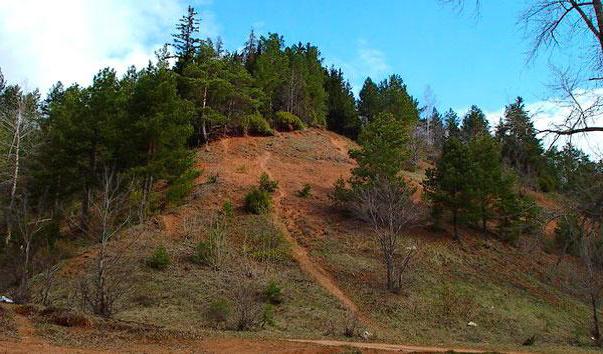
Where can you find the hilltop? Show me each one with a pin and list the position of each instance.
(326, 264)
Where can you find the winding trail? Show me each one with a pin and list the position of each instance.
(300, 254)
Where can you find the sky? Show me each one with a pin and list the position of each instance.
(457, 59)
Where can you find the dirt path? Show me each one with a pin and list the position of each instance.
(300, 254)
(390, 347)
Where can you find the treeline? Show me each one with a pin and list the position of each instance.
(58, 152)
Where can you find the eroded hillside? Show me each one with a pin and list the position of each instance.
(326, 264)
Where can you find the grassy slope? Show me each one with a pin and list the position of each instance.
(511, 295)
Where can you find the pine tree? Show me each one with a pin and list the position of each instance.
(474, 124)
(384, 149)
(447, 185)
(368, 102)
(271, 72)
(451, 124)
(342, 116)
(485, 179)
(250, 52)
(521, 148)
(437, 130)
(395, 99)
(185, 42)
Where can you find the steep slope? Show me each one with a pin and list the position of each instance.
(328, 266)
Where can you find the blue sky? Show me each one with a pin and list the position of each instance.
(464, 60)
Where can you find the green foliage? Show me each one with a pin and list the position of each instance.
(521, 148)
(340, 194)
(475, 124)
(446, 186)
(389, 96)
(181, 187)
(286, 121)
(342, 116)
(266, 184)
(268, 315)
(470, 182)
(258, 201)
(305, 192)
(213, 251)
(257, 125)
(202, 253)
(567, 235)
(228, 209)
(383, 151)
(160, 259)
(273, 293)
(267, 244)
(219, 310)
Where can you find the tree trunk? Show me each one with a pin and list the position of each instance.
(596, 330)
(454, 225)
(16, 170)
(203, 127)
(598, 6)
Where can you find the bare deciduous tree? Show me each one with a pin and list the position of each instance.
(387, 206)
(577, 27)
(18, 124)
(110, 213)
(28, 225)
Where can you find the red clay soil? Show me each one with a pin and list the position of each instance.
(315, 157)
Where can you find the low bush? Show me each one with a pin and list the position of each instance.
(214, 251)
(219, 310)
(228, 209)
(257, 125)
(202, 253)
(268, 315)
(65, 317)
(305, 192)
(273, 293)
(159, 260)
(258, 201)
(286, 121)
(266, 184)
(181, 187)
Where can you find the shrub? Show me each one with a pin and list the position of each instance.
(214, 251)
(273, 293)
(258, 201)
(202, 253)
(268, 315)
(247, 312)
(219, 310)
(350, 326)
(228, 209)
(181, 187)
(256, 124)
(65, 318)
(305, 191)
(159, 260)
(266, 184)
(340, 195)
(213, 178)
(287, 121)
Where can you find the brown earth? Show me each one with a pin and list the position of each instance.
(319, 159)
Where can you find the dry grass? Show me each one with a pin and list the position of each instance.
(7, 324)
(509, 294)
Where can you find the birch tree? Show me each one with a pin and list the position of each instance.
(19, 114)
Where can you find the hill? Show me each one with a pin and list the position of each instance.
(326, 265)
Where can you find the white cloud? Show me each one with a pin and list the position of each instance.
(547, 113)
(369, 61)
(372, 59)
(42, 42)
